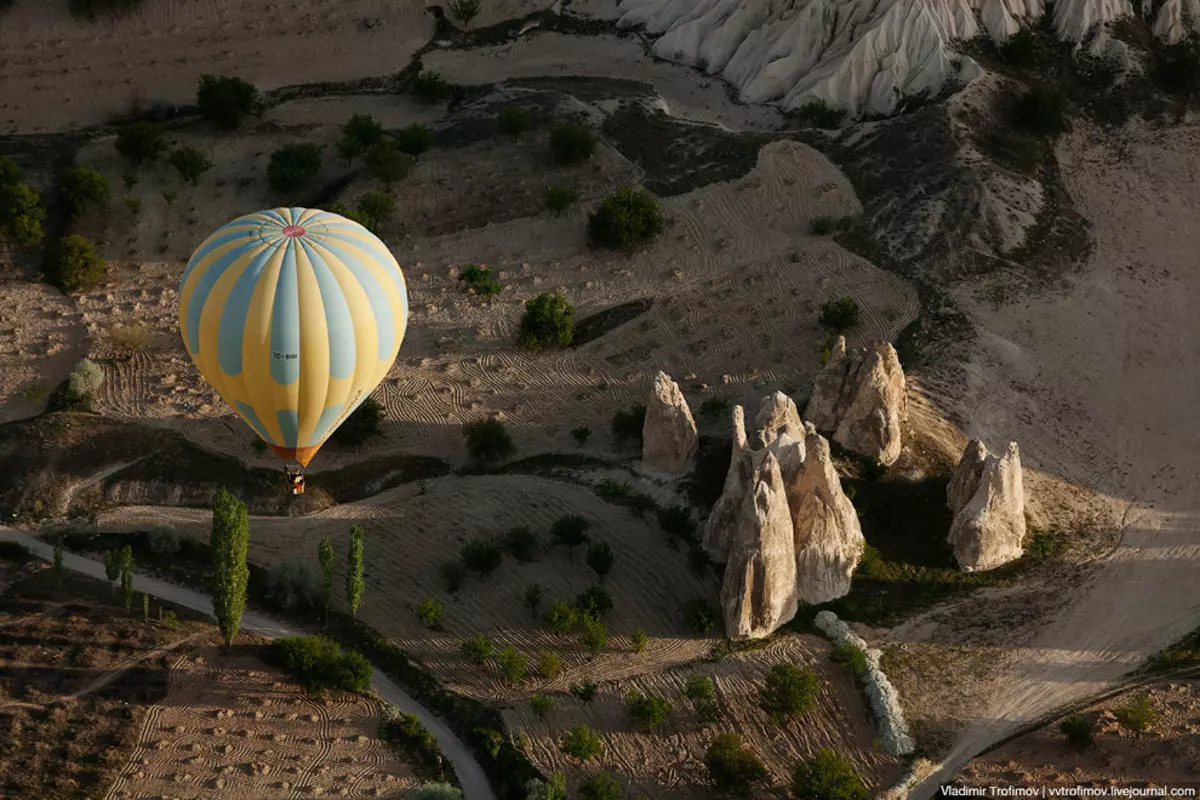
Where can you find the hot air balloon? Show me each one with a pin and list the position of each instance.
(293, 316)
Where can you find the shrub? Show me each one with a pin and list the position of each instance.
(701, 617)
(386, 162)
(76, 267)
(163, 540)
(699, 688)
(522, 543)
(570, 531)
(225, 100)
(820, 114)
(533, 599)
(488, 440)
(21, 211)
(1078, 730)
(731, 765)
(639, 640)
(595, 601)
(430, 87)
(584, 692)
(1020, 50)
(627, 424)
(293, 167)
(357, 216)
(376, 208)
(850, 656)
(437, 791)
(572, 144)
(647, 711)
(582, 743)
(83, 189)
(548, 664)
(555, 789)
(429, 611)
(600, 786)
(1040, 111)
(513, 121)
(595, 634)
(362, 424)
(416, 744)
(464, 10)
(827, 776)
(477, 649)
(559, 199)
(541, 704)
(561, 617)
(363, 129)
(512, 665)
(293, 586)
(549, 321)
(581, 435)
(841, 314)
(479, 281)
(600, 558)
(414, 140)
(788, 691)
(190, 163)
(625, 220)
(141, 142)
(1137, 715)
(677, 522)
(483, 557)
(453, 575)
(318, 664)
(85, 379)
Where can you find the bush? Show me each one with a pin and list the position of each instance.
(1040, 111)
(293, 167)
(429, 611)
(453, 575)
(548, 664)
(512, 665)
(479, 281)
(76, 267)
(481, 556)
(570, 531)
(572, 144)
(827, 776)
(437, 791)
(559, 199)
(513, 121)
(788, 691)
(700, 615)
(1078, 730)
(555, 789)
(376, 208)
(639, 640)
(414, 140)
(488, 440)
(626, 220)
(362, 424)
(850, 656)
(541, 704)
(561, 617)
(224, 100)
(319, 665)
(293, 586)
(600, 786)
(417, 747)
(190, 163)
(163, 540)
(83, 189)
(141, 142)
(85, 379)
(647, 711)
(1020, 50)
(533, 599)
(386, 162)
(477, 649)
(600, 558)
(522, 543)
(430, 87)
(549, 321)
(595, 634)
(595, 601)
(699, 688)
(731, 765)
(582, 743)
(1137, 715)
(363, 129)
(581, 435)
(820, 114)
(21, 211)
(677, 522)
(841, 314)
(584, 692)
(627, 424)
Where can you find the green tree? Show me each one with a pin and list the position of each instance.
(429, 611)
(841, 314)
(647, 711)
(788, 692)
(513, 121)
(639, 640)
(293, 167)
(436, 791)
(362, 424)
(387, 162)
(83, 189)
(453, 574)
(732, 766)
(430, 87)
(548, 664)
(190, 163)
(572, 144)
(600, 558)
(229, 541)
(1136, 715)
(570, 531)
(477, 649)
(21, 212)
(512, 665)
(75, 266)
(325, 557)
(377, 207)
(465, 10)
(549, 321)
(700, 615)
(584, 692)
(112, 568)
(361, 132)
(1078, 730)
(594, 600)
(522, 543)
(827, 776)
(581, 434)
(145, 607)
(58, 562)
(582, 743)
(141, 142)
(533, 598)
(127, 576)
(600, 786)
(354, 570)
(225, 100)
(414, 140)
(561, 617)
(559, 199)
(595, 634)
(483, 557)
(626, 220)
(541, 704)
(488, 440)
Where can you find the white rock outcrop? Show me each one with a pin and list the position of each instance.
(718, 529)
(669, 438)
(860, 399)
(988, 530)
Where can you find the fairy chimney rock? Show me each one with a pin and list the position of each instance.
(859, 398)
(988, 531)
(669, 435)
(965, 478)
(723, 519)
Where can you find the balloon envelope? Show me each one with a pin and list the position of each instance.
(294, 316)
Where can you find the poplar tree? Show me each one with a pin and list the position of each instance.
(325, 556)
(127, 576)
(229, 542)
(354, 570)
(58, 562)
(112, 568)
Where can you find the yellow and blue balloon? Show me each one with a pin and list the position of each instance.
(294, 316)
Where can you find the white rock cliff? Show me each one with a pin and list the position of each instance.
(669, 434)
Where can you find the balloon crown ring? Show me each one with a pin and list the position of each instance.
(293, 231)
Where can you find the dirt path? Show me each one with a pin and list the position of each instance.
(470, 775)
(1098, 384)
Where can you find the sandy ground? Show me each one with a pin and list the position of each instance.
(1095, 381)
(232, 725)
(36, 357)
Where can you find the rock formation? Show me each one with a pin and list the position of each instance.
(721, 522)
(989, 510)
(669, 435)
(759, 592)
(781, 431)
(860, 399)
